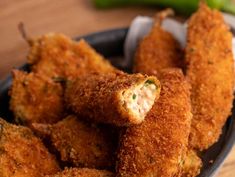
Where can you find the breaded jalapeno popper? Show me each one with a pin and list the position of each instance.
(116, 98)
(35, 98)
(158, 145)
(22, 154)
(79, 143)
(191, 164)
(57, 56)
(82, 172)
(158, 50)
(211, 73)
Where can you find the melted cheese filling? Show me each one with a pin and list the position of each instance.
(140, 99)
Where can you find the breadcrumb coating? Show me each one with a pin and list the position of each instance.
(35, 98)
(192, 164)
(57, 56)
(101, 97)
(22, 154)
(82, 172)
(157, 146)
(79, 143)
(157, 50)
(210, 70)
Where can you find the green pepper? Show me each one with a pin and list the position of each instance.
(228, 6)
(181, 6)
(134, 96)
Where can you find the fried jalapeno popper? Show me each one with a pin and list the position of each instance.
(79, 143)
(158, 146)
(22, 154)
(35, 98)
(57, 56)
(191, 165)
(117, 98)
(211, 74)
(158, 50)
(82, 172)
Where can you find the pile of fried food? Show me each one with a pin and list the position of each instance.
(79, 116)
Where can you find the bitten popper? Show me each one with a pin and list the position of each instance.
(157, 146)
(117, 98)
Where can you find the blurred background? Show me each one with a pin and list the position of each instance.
(73, 18)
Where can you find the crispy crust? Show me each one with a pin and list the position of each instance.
(97, 97)
(191, 165)
(79, 143)
(22, 154)
(56, 55)
(83, 172)
(158, 145)
(35, 98)
(211, 74)
(157, 50)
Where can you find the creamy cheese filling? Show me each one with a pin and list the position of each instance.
(140, 99)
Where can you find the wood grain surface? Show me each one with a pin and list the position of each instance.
(71, 17)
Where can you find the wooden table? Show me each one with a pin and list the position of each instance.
(71, 17)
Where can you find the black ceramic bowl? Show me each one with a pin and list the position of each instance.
(110, 44)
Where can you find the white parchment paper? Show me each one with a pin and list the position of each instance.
(141, 25)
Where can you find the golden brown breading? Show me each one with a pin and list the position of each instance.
(22, 154)
(56, 55)
(79, 143)
(158, 50)
(82, 172)
(191, 165)
(115, 98)
(211, 73)
(35, 98)
(157, 146)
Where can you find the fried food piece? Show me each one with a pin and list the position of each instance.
(22, 154)
(57, 56)
(157, 146)
(35, 98)
(116, 98)
(82, 172)
(79, 143)
(192, 164)
(211, 73)
(158, 50)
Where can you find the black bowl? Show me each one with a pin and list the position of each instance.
(110, 44)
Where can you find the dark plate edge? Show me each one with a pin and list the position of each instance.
(226, 149)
